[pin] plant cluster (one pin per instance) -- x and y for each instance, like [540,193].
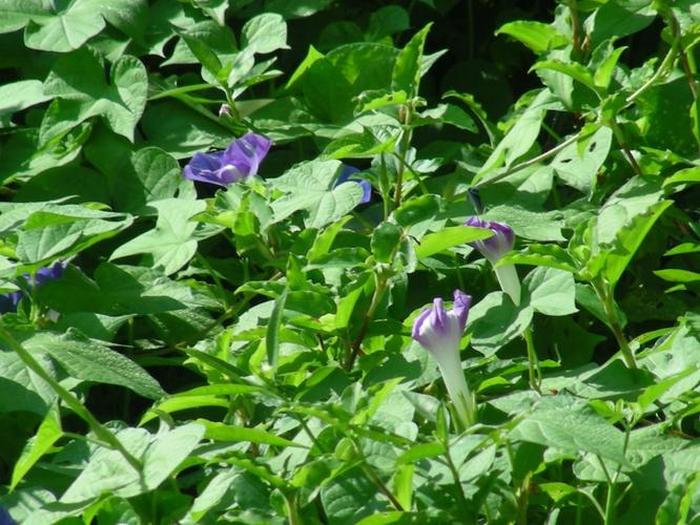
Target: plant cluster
[269,261]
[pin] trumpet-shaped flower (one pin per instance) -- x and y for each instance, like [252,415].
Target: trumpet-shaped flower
[345,176]
[439,331]
[237,162]
[496,247]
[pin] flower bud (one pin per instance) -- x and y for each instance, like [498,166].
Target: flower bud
[494,248]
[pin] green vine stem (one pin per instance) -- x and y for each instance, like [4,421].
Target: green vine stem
[69,399]
[404,145]
[608,301]
[534,372]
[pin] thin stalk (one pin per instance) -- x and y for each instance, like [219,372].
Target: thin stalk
[457,481]
[404,144]
[539,158]
[374,478]
[533,363]
[614,323]
[357,343]
[69,399]
[575,26]
[291,501]
[663,69]
[620,137]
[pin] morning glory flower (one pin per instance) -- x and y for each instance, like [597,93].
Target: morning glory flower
[239,161]
[5,518]
[345,175]
[494,248]
[10,301]
[439,331]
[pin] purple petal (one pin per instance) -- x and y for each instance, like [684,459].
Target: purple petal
[439,331]
[418,326]
[50,273]
[462,302]
[345,175]
[246,153]
[239,161]
[10,301]
[205,167]
[496,246]
[5,518]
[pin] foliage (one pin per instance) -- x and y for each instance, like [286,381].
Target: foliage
[243,354]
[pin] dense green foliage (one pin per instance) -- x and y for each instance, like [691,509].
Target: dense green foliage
[243,354]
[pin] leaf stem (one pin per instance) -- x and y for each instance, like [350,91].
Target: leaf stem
[526,164]
[357,342]
[374,478]
[455,477]
[608,301]
[404,145]
[620,137]
[534,372]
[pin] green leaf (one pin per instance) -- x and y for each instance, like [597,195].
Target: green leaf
[552,291]
[549,255]
[161,454]
[519,138]
[495,321]
[385,241]
[19,95]
[605,70]
[677,275]
[572,69]
[171,243]
[629,239]
[349,497]
[570,425]
[235,434]
[536,36]
[579,169]
[421,451]
[359,146]
[447,114]
[265,33]
[47,434]
[686,176]
[449,238]
[118,290]
[90,361]
[67,29]
[65,230]
[310,186]
[407,71]
[618,20]
[15,14]
[78,81]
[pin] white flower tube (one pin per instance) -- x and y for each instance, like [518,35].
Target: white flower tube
[439,331]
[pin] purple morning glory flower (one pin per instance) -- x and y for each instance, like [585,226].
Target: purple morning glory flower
[5,518]
[349,171]
[237,162]
[496,247]
[10,301]
[439,331]
[345,176]
[49,273]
